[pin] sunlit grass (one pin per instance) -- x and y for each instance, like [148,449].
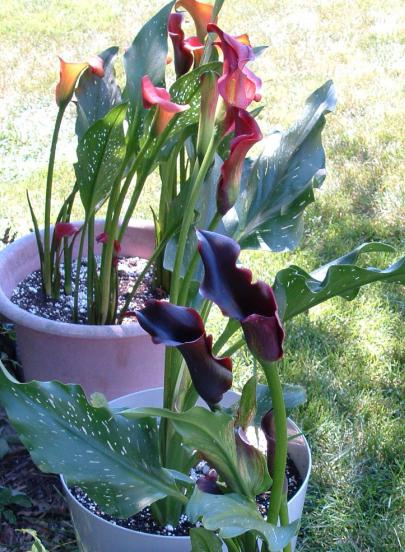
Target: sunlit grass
[348,355]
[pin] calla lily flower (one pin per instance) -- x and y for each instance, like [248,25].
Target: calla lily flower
[183,58]
[247,133]
[64,230]
[182,327]
[152,95]
[103,238]
[238,85]
[268,426]
[231,288]
[200,12]
[208,483]
[69,75]
[194,45]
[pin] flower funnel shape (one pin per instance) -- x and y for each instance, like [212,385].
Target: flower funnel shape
[201,14]
[183,57]
[238,85]
[69,75]
[182,327]
[231,288]
[247,133]
[153,95]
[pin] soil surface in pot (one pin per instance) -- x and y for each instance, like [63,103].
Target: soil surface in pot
[144,522]
[28,295]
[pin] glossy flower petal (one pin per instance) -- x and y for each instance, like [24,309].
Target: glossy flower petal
[69,75]
[183,328]
[208,483]
[65,230]
[231,288]
[194,45]
[183,57]
[153,95]
[201,14]
[238,85]
[247,133]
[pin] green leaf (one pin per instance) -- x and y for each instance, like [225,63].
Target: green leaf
[297,291]
[113,459]
[213,435]
[268,213]
[204,541]
[147,56]
[9,496]
[4,448]
[96,96]
[247,403]
[36,230]
[100,154]
[294,395]
[37,545]
[232,515]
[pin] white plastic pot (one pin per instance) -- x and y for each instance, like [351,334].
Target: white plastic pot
[95,534]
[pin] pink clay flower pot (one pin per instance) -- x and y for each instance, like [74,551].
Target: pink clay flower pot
[114,360]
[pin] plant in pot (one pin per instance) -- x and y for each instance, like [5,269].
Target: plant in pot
[139,458]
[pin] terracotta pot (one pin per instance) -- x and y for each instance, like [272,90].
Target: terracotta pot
[114,360]
[95,534]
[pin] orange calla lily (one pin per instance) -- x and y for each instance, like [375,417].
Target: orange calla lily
[69,75]
[200,12]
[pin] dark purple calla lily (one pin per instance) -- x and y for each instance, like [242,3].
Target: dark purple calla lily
[231,288]
[183,57]
[182,327]
[208,483]
[247,133]
[238,85]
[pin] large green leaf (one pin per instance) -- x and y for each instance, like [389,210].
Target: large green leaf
[96,96]
[100,154]
[147,56]
[297,291]
[268,212]
[114,459]
[204,541]
[212,434]
[232,515]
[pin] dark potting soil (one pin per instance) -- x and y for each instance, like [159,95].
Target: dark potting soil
[144,522]
[28,295]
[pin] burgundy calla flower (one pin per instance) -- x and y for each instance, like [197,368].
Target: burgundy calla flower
[194,45]
[183,58]
[247,133]
[208,483]
[231,288]
[238,85]
[64,230]
[269,429]
[182,327]
[153,95]
[103,238]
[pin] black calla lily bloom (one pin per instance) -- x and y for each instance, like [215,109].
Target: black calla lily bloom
[231,288]
[182,327]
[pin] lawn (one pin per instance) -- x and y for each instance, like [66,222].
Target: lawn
[348,355]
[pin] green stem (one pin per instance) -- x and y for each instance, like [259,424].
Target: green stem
[280,456]
[90,270]
[231,327]
[47,268]
[77,276]
[284,518]
[194,191]
[235,347]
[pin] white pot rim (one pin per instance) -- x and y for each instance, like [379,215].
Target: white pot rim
[26,319]
[298,494]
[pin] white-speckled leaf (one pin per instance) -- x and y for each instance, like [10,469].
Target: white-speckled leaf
[114,459]
[99,156]
[203,540]
[232,515]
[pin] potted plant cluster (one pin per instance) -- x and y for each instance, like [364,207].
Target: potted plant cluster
[172,469]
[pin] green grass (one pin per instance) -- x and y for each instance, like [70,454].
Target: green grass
[348,355]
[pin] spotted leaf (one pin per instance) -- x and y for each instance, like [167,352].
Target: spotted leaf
[113,459]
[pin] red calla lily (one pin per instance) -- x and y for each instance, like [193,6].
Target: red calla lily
[64,230]
[182,327]
[69,75]
[194,45]
[238,85]
[183,58]
[103,238]
[153,95]
[247,133]
[231,288]
[200,12]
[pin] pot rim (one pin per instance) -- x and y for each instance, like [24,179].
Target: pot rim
[21,317]
[297,495]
